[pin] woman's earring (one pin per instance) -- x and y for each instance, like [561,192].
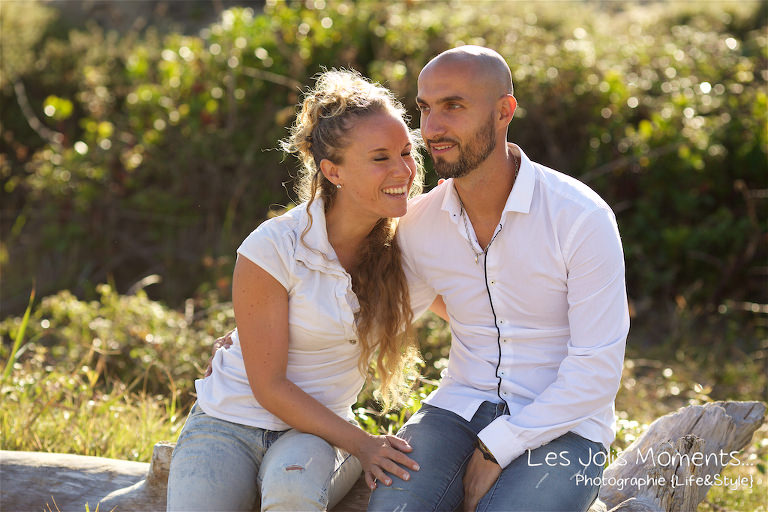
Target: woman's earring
[338,185]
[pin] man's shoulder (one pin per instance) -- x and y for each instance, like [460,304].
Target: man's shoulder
[563,188]
[424,204]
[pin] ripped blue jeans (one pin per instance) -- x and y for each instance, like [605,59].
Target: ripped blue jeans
[220,465]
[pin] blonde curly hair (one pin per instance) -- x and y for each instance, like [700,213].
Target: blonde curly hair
[321,131]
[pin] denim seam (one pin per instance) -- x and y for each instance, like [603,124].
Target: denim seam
[457,473]
[489,495]
[338,468]
[327,485]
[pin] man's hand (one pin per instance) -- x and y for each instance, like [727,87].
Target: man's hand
[223,342]
[480,476]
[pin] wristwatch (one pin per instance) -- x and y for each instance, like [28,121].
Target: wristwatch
[487,455]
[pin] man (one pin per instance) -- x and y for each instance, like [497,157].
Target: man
[530,274]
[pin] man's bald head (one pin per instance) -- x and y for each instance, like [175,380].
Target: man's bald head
[485,65]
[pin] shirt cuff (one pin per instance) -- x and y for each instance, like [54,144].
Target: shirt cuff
[496,436]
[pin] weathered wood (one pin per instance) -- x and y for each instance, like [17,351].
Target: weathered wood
[149,493]
[32,480]
[634,505]
[671,467]
[356,499]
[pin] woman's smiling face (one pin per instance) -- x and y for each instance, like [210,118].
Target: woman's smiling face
[376,168]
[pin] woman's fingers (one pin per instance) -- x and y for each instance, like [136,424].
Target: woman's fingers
[388,465]
[380,476]
[225,342]
[400,444]
[393,460]
[370,480]
[386,458]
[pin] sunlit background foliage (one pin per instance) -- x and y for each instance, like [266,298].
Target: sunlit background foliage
[135,156]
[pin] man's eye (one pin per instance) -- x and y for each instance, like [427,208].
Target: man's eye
[423,108]
[380,158]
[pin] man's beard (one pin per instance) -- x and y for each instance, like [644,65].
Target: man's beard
[471,154]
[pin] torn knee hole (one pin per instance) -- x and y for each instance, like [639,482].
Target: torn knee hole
[294,467]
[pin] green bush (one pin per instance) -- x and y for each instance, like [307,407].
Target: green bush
[165,161]
[126,339]
[111,377]
[168,154]
[108,377]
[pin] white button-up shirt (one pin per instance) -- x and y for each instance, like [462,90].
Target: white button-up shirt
[323,352]
[546,304]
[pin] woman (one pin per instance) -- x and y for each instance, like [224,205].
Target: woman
[316,292]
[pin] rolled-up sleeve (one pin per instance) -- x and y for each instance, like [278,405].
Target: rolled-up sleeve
[269,248]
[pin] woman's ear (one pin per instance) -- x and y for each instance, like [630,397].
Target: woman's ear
[330,171]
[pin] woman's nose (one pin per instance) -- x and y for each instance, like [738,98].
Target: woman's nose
[403,168]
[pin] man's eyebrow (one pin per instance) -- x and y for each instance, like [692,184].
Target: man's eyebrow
[445,99]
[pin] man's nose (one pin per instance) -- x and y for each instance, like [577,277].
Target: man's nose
[432,127]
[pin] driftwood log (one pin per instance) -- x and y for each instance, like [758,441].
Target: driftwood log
[36,481]
[687,448]
[679,456]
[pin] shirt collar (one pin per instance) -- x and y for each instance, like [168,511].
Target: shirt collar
[314,249]
[521,196]
[451,203]
[519,199]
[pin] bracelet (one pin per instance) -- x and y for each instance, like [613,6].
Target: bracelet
[487,455]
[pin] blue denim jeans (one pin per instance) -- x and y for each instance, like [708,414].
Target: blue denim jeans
[443,443]
[219,465]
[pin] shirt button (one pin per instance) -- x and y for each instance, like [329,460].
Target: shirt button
[353,341]
[493,282]
[501,373]
[501,321]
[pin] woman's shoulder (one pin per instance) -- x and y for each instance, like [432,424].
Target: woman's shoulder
[283,223]
[280,231]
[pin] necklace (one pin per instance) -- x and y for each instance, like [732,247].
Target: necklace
[465,216]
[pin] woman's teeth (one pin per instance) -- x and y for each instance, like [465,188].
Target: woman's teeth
[395,190]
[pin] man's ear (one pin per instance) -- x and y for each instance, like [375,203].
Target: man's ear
[507,106]
[330,171]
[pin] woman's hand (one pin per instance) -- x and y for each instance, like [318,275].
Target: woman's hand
[223,342]
[380,454]
[261,312]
